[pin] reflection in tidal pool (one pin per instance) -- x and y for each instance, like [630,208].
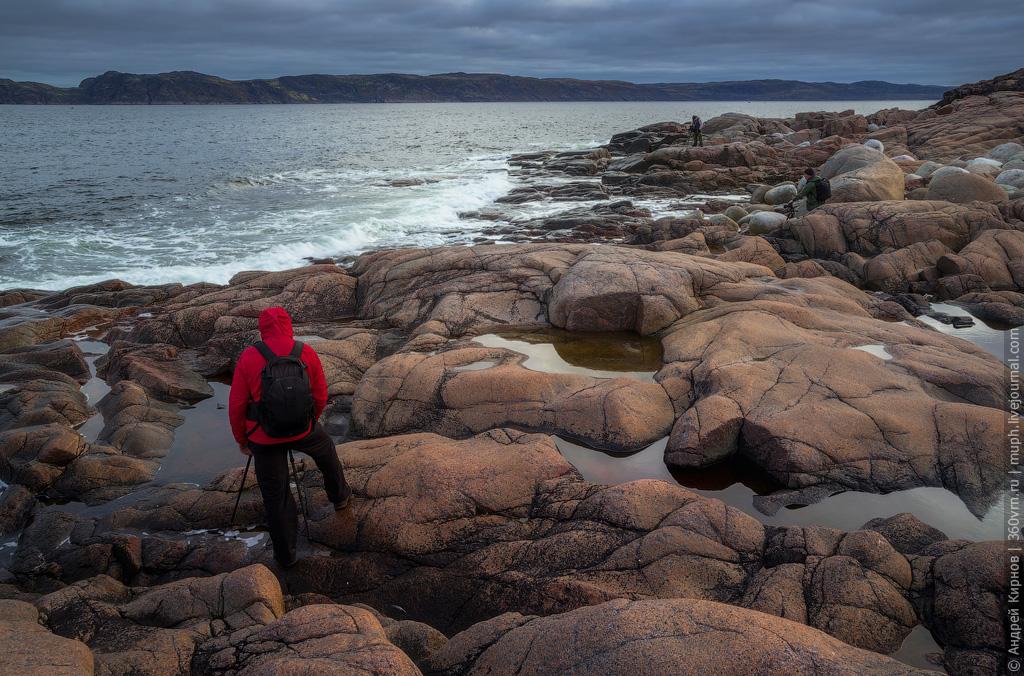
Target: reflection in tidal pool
[920,650]
[877,350]
[737,482]
[599,355]
[988,337]
[95,388]
[203,445]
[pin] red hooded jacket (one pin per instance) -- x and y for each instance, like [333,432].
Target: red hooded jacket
[276,331]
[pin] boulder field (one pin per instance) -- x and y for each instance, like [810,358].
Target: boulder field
[906,173]
[457,532]
[787,342]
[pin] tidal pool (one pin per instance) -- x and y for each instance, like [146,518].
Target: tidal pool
[95,388]
[599,355]
[986,336]
[738,482]
[203,446]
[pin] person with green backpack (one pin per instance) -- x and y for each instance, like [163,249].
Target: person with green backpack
[816,190]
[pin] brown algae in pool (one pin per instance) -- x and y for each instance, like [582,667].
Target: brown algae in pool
[599,355]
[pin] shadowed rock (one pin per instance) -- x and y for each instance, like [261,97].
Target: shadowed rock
[27,648]
[157,369]
[907,533]
[870,228]
[156,631]
[959,590]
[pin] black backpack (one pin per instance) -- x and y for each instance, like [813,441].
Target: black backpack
[285,408]
[823,190]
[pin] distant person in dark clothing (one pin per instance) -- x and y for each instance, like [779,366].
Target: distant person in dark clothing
[816,190]
[298,391]
[696,130]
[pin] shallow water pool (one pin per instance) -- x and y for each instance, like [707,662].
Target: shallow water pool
[599,355]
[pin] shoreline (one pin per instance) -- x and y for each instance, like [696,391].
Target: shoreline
[769,362]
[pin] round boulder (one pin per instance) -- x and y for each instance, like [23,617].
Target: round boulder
[762,221]
[927,169]
[964,187]
[722,219]
[987,161]
[947,171]
[859,173]
[735,212]
[986,170]
[1006,151]
[874,144]
[780,194]
[1012,177]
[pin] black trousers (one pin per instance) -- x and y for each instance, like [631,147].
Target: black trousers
[271,461]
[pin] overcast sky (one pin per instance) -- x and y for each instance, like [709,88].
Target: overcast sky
[925,41]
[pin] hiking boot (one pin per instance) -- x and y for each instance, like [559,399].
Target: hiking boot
[343,503]
[287,564]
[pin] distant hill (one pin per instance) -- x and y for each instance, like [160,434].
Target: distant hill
[181,87]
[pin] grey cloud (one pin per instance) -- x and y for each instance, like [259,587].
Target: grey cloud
[937,42]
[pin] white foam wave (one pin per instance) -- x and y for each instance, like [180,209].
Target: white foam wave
[233,239]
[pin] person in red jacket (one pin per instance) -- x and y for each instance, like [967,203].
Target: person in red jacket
[270,454]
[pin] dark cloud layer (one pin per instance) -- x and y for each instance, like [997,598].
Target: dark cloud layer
[928,42]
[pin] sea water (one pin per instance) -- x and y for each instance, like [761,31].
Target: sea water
[155,194]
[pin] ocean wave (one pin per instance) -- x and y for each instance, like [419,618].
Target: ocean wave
[232,239]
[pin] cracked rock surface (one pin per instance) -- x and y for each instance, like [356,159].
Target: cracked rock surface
[665,636]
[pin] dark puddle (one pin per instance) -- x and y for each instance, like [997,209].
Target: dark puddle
[95,388]
[599,355]
[203,446]
[738,482]
[920,650]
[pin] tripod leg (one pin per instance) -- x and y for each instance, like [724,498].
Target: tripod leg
[302,494]
[241,487]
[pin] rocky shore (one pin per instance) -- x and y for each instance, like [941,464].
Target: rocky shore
[805,348]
